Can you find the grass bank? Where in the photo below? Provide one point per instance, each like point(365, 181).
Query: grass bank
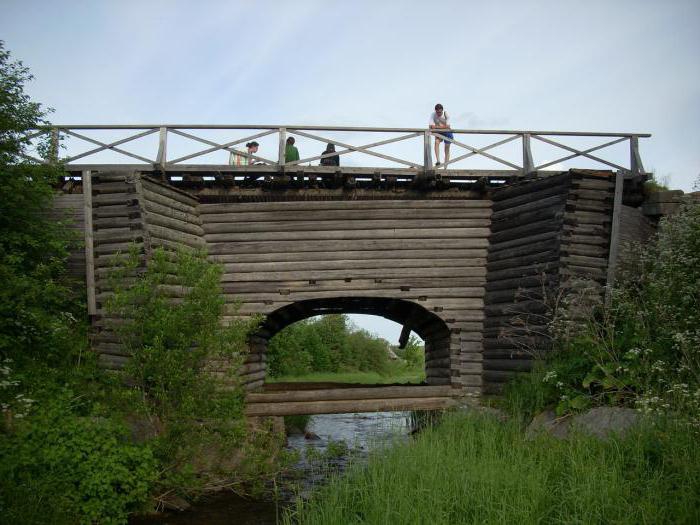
point(368, 378)
point(475, 469)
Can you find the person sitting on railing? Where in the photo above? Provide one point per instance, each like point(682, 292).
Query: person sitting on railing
point(291, 153)
point(239, 159)
point(440, 120)
point(333, 160)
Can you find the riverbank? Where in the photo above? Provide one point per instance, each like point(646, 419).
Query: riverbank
point(475, 468)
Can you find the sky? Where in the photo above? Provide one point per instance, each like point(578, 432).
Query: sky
point(599, 65)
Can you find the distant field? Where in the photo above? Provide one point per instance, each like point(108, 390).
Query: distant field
point(368, 378)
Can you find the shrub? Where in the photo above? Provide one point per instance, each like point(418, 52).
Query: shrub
point(642, 349)
point(62, 467)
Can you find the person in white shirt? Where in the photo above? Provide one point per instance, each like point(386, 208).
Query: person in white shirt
point(440, 120)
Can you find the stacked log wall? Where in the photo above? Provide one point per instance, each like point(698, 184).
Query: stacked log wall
point(69, 207)
point(587, 227)
point(523, 269)
point(430, 252)
point(118, 227)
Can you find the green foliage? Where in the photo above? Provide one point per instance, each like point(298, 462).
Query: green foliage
point(17, 112)
point(413, 354)
point(643, 348)
point(38, 304)
point(326, 344)
point(79, 468)
point(64, 455)
point(655, 184)
point(476, 469)
point(172, 342)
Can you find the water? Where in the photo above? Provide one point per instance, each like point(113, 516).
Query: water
point(319, 459)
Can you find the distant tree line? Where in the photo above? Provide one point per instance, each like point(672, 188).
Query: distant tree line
point(332, 344)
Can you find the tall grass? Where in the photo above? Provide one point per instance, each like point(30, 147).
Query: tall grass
point(474, 469)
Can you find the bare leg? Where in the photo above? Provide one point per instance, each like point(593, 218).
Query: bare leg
point(447, 153)
point(437, 150)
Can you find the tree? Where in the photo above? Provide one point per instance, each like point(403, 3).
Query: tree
point(36, 301)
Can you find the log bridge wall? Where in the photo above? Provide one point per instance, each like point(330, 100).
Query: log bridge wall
point(455, 267)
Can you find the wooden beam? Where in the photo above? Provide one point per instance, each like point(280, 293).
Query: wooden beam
point(357, 405)
point(614, 234)
point(405, 334)
point(347, 394)
point(89, 245)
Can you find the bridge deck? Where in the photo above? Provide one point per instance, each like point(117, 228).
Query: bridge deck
point(285, 399)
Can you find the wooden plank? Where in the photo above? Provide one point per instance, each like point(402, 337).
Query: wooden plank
point(381, 265)
point(175, 236)
point(353, 256)
point(277, 246)
point(350, 406)
point(164, 200)
point(335, 226)
point(555, 215)
point(115, 210)
point(344, 214)
point(103, 188)
point(614, 234)
point(312, 274)
point(112, 199)
point(169, 211)
point(359, 392)
point(309, 206)
point(528, 197)
point(174, 224)
point(529, 187)
point(154, 186)
point(534, 258)
point(548, 245)
point(419, 233)
point(553, 202)
point(89, 245)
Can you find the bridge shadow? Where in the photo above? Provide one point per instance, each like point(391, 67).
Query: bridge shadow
point(324, 398)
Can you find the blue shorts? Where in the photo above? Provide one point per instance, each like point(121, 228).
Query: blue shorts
point(446, 134)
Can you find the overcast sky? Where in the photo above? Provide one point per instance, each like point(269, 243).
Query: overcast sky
point(615, 66)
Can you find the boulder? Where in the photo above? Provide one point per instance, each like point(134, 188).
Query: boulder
point(601, 422)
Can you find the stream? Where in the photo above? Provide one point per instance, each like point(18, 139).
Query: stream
point(337, 440)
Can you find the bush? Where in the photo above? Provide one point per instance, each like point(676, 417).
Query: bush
point(643, 348)
point(61, 467)
point(326, 344)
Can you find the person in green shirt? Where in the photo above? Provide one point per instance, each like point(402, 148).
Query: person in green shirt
point(291, 153)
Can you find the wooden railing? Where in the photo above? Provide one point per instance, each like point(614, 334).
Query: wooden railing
point(461, 149)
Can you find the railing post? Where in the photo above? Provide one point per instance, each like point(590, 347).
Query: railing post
point(282, 146)
point(528, 164)
point(427, 154)
point(162, 157)
point(89, 243)
point(54, 145)
point(636, 166)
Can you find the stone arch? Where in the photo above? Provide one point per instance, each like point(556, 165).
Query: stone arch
point(430, 327)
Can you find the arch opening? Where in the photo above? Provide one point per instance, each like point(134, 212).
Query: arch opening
point(412, 316)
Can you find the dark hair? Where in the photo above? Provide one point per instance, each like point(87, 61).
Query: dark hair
point(290, 140)
point(252, 144)
point(438, 106)
point(330, 147)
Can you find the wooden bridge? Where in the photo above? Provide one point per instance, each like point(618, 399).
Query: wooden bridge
point(454, 255)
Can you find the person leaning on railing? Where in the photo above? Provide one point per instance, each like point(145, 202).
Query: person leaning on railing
point(440, 120)
point(237, 158)
point(291, 153)
point(333, 160)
